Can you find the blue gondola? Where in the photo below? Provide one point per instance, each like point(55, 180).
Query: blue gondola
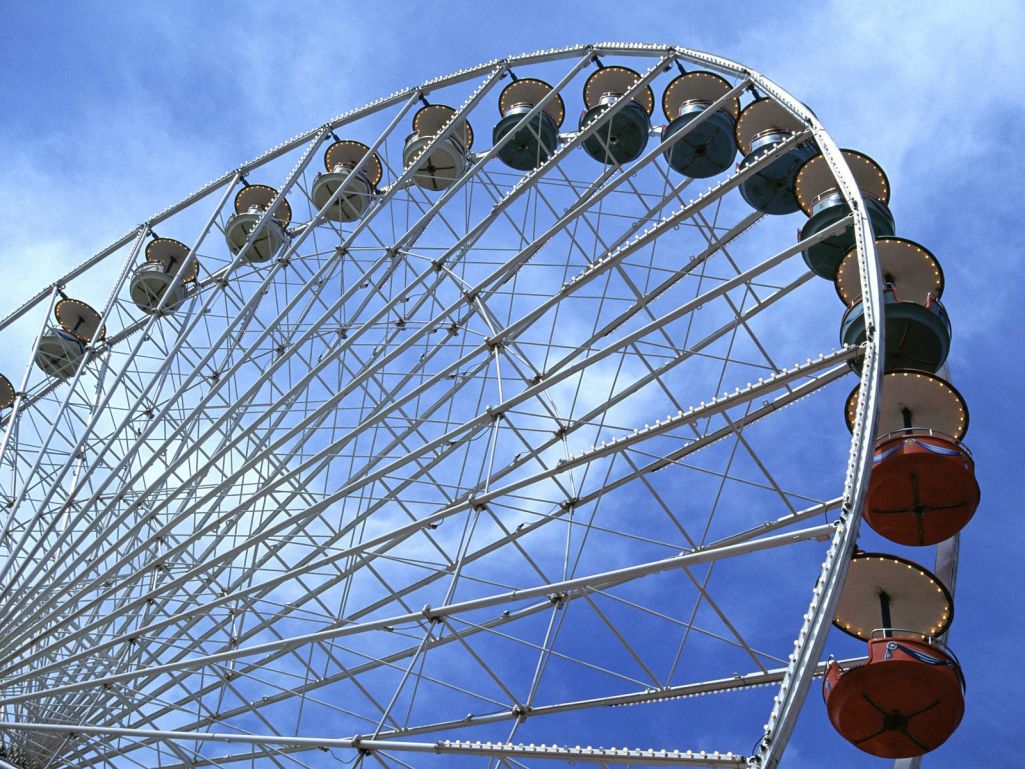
point(533, 143)
point(819, 197)
point(917, 327)
point(917, 335)
point(762, 125)
point(708, 149)
point(622, 137)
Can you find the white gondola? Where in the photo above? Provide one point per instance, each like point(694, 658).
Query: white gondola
point(150, 281)
point(341, 159)
point(7, 393)
point(62, 347)
point(447, 161)
point(251, 203)
point(59, 353)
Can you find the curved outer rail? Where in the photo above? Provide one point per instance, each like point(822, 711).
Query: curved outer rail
point(826, 593)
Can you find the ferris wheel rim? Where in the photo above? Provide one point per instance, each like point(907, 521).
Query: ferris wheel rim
point(861, 444)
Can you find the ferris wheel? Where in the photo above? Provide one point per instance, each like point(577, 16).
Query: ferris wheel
point(498, 421)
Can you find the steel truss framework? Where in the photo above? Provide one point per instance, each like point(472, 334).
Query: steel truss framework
point(456, 483)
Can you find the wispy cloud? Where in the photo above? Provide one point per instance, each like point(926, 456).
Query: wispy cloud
point(115, 115)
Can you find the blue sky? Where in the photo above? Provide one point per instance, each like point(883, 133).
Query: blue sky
point(112, 111)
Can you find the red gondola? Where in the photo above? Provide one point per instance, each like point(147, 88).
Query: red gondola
point(905, 701)
point(923, 488)
point(908, 698)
